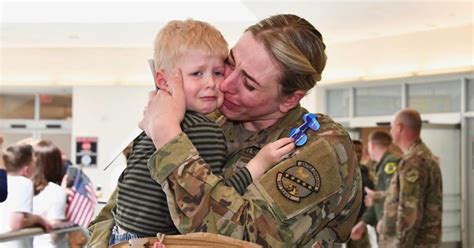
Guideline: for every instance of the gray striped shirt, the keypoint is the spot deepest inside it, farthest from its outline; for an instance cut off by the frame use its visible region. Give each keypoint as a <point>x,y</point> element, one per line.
<point>142,208</point>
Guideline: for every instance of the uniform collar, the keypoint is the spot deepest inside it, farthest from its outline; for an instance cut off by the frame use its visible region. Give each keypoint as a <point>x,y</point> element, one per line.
<point>280,128</point>
<point>382,159</point>
<point>413,145</point>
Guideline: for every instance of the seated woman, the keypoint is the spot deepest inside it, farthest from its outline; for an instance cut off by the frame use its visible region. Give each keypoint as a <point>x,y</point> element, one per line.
<point>50,198</point>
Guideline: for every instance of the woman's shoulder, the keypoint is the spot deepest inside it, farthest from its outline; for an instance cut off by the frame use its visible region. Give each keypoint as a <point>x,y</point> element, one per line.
<point>54,189</point>
<point>329,127</point>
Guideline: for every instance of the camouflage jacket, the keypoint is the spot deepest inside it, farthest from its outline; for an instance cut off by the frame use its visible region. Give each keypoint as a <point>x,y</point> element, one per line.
<point>384,169</point>
<point>413,207</point>
<point>314,195</point>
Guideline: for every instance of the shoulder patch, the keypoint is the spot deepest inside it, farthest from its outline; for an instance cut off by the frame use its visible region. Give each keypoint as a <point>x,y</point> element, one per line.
<point>298,181</point>
<point>390,168</point>
<point>412,175</point>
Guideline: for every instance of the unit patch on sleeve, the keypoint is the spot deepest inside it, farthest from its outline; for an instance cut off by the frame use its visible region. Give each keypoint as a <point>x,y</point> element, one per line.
<point>390,168</point>
<point>298,181</point>
<point>412,175</point>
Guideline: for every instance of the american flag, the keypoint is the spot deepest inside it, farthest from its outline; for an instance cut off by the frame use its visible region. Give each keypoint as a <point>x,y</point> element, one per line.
<point>82,203</point>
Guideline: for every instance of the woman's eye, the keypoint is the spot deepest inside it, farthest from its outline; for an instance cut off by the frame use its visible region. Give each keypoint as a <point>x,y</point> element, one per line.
<point>229,62</point>
<point>248,86</point>
<point>198,73</point>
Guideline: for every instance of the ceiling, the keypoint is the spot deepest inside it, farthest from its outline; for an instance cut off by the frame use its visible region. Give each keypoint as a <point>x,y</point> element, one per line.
<point>134,24</point>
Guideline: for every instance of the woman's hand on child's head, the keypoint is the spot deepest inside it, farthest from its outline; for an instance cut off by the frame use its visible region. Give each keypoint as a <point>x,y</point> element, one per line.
<point>269,155</point>
<point>165,111</point>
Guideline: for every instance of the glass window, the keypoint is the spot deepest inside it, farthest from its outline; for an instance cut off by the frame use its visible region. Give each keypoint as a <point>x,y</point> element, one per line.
<point>437,97</point>
<point>380,100</point>
<point>55,107</point>
<point>470,152</point>
<point>337,102</point>
<point>470,94</point>
<point>14,106</point>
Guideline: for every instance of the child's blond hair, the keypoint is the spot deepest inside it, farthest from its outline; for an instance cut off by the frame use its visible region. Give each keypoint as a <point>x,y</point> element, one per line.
<point>178,38</point>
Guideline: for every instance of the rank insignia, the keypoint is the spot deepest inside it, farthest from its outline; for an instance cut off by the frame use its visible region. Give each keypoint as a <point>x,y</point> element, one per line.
<point>390,168</point>
<point>412,175</point>
<point>298,181</point>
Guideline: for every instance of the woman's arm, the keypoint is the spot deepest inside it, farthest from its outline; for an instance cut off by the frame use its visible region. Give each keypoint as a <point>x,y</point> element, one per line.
<point>200,201</point>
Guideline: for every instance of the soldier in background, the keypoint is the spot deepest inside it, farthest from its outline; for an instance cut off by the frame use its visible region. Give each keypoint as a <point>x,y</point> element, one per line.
<point>386,165</point>
<point>362,240</point>
<point>413,207</point>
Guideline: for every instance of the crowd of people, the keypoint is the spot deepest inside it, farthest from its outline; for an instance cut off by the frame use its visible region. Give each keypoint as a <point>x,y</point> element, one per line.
<point>260,169</point>
<point>35,193</point>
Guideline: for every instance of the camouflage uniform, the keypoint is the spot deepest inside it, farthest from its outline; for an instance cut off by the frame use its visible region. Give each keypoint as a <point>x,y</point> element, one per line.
<point>384,169</point>
<point>413,207</point>
<point>314,195</point>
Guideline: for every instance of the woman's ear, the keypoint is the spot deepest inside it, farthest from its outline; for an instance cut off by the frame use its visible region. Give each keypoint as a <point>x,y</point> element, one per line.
<point>291,101</point>
<point>161,82</point>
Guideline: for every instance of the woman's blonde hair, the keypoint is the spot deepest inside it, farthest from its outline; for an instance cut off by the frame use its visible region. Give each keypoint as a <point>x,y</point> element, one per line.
<point>296,46</point>
<point>178,38</point>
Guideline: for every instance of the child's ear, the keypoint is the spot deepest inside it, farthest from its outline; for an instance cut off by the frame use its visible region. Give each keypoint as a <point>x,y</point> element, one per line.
<point>161,82</point>
<point>25,171</point>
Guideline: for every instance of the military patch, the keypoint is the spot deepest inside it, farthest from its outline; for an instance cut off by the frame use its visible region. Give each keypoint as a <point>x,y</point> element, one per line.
<point>390,168</point>
<point>298,181</point>
<point>412,175</point>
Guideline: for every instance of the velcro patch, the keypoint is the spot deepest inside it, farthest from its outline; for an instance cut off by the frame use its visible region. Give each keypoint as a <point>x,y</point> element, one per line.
<point>299,183</point>
<point>412,175</point>
<point>390,168</point>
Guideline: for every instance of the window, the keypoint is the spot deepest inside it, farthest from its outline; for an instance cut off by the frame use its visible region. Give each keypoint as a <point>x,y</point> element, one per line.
<point>55,107</point>
<point>337,102</point>
<point>380,100</point>
<point>13,106</point>
<point>470,94</point>
<point>440,97</point>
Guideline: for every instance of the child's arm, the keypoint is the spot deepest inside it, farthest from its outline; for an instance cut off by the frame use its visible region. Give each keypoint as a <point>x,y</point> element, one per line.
<point>269,155</point>
<point>20,220</point>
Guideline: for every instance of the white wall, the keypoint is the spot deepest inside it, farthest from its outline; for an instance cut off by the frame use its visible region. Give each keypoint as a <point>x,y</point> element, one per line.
<point>108,113</point>
<point>408,54</point>
<point>449,154</point>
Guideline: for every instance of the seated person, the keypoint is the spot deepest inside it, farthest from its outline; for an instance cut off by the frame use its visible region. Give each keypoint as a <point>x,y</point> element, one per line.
<point>50,198</point>
<point>17,209</point>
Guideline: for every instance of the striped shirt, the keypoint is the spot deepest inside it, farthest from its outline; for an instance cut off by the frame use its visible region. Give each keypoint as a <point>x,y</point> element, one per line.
<point>142,207</point>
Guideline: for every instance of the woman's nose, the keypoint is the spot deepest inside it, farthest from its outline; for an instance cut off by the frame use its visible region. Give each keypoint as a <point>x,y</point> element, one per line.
<point>230,82</point>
